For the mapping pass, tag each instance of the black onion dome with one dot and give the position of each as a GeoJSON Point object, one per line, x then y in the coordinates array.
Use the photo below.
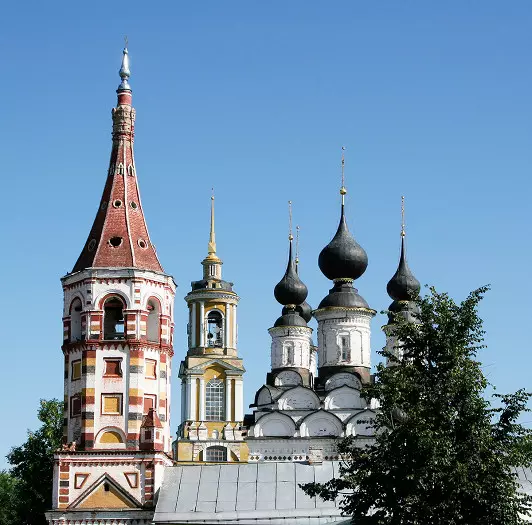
{"type": "Point", "coordinates": [290, 289]}
{"type": "Point", "coordinates": [343, 257]}
{"type": "Point", "coordinates": [403, 286]}
{"type": "Point", "coordinates": [303, 309]}
{"type": "Point", "coordinates": [343, 295]}
{"type": "Point", "coordinates": [290, 318]}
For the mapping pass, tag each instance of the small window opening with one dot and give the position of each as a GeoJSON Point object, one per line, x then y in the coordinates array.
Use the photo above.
{"type": "Point", "coordinates": [154, 321]}
{"type": "Point", "coordinates": [216, 454]}
{"type": "Point", "coordinates": [106, 487]}
{"type": "Point", "coordinates": [113, 320]}
{"type": "Point", "coordinates": [344, 346]}
{"type": "Point", "coordinates": [289, 354]}
{"type": "Point", "coordinates": [113, 367]}
{"type": "Point", "coordinates": [75, 321]}
{"type": "Point", "coordinates": [115, 242]}
{"type": "Point", "coordinates": [91, 245]}
{"type": "Point", "coordinates": [214, 400]}
{"type": "Point", "coordinates": [134, 205]}
{"type": "Point", "coordinates": [117, 203]}
{"type": "Point", "coordinates": [214, 329]}
{"type": "Point", "coordinates": [143, 244]}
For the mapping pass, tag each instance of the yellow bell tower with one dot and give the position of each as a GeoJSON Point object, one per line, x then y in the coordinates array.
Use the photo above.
{"type": "Point", "coordinates": [211, 374]}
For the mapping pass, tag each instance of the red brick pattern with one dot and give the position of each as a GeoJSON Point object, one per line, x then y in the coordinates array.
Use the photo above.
{"type": "Point", "coordinates": [119, 214]}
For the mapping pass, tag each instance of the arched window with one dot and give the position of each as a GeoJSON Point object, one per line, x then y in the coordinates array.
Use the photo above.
{"type": "Point", "coordinates": [289, 354]}
{"type": "Point", "coordinates": [344, 347]}
{"type": "Point", "coordinates": [113, 319]}
{"type": "Point", "coordinates": [214, 400]}
{"type": "Point", "coordinates": [154, 321]}
{"type": "Point", "coordinates": [75, 320]}
{"type": "Point", "coordinates": [215, 454]}
{"type": "Point", "coordinates": [214, 329]}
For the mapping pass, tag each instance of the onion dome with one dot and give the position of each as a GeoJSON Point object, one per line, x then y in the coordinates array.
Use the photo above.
{"type": "Point", "coordinates": [343, 295]}
{"type": "Point", "coordinates": [343, 257]}
{"type": "Point", "coordinates": [304, 310]}
{"type": "Point", "coordinates": [290, 317]}
{"type": "Point", "coordinates": [290, 290]}
{"type": "Point", "coordinates": [403, 286]}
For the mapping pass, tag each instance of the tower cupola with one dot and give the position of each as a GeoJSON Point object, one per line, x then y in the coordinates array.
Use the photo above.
{"type": "Point", "coordinates": [403, 288]}
{"type": "Point", "coordinates": [119, 235]}
{"type": "Point", "coordinates": [343, 315]}
{"type": "Point", "coordinates": [292, 346]}
{"type": "Point", "coordinates": [290, 291]}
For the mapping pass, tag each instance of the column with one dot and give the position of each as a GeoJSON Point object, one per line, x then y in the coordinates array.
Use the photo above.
{"type": "Point", "coordinates": [239, 401]}
{"type": "Point", "coordinates": [202, 399]}
{"type": "Point", "coordinates": [234, 326]}
{"type": "Point", "coordinates": [191, 387]}
{"type": "Point", "coordinates": [193, 325]}
{"type": "Point", "coordinates": [183, 401]}
{"type": "Point", "coordinates": [227, 328]}
{"type": "Point", "coordinates": [201, 323]}
{"type": "Point", "coordinates": [228, 414]}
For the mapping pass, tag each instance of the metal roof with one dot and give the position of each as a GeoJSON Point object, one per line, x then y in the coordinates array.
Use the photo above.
{"type": "Point", "coordinates": [260, 493]}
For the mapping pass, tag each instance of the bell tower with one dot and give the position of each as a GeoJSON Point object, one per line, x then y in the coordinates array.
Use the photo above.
{"type": "Point", "coordinates": [211, 374]}
{"type": "Point", "coordinates": [117, 347]}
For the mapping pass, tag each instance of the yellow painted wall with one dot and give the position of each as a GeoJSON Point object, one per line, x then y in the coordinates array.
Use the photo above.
{"type": "Point", "coordinates": [111, 499]}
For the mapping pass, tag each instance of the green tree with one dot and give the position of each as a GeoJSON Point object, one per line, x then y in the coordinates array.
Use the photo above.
{"type": "Point", "coordinates": [7, 498]}
{"type": "Point", "coordinates": [32, 466]}
{"type": "Point", "coordinates": [442, 455]}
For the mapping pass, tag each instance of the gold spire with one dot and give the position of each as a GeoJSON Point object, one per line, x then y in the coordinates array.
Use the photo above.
{"type": "Point", "coordinates": [297, 246]}
{"type": "Point", "coordinates": [290, 236]}
{"type": "Point", "coordinates": [212, 236]}
{"type": "Point", "coordinates": [403, 233]}
{"type": "Point", "coordinates": [343, 191]}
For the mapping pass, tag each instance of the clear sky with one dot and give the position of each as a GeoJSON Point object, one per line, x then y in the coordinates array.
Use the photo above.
{"type": "Point", "coordinates": [431, 99]}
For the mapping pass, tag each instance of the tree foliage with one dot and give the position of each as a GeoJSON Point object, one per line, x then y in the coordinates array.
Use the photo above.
{"type": "Point", "coordinates": [442, 455]}
{"type": "Point", "coordinates": [26, 490]}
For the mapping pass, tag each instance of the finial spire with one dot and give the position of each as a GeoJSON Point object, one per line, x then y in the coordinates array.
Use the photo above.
{"type": "Point", "coordinates": [124, 72]}
{"type": "Point", "coordinates": [343, 191]}
{"type": "Point", "coordinates": [297, 247]}
{"type": "Point", "coordinates": [290, 236]}
{"type": "Point", "coordinates": [403, 232]}
{"type": "Point", "coordinates": [212, 235]}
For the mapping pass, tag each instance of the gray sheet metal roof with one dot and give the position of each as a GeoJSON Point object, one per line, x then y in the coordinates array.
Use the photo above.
{"type": "Point", "coordinates": [253, 493]}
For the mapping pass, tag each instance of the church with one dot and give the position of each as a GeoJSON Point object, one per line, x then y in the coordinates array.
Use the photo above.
{"type": "Point", "coordinates": [119, 463]}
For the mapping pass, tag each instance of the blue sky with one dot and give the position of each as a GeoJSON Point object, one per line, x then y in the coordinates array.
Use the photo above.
{"type": "Point", "coordinates": [431, 99]}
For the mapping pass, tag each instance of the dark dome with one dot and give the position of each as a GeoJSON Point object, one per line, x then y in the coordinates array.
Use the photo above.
{"type": "Point", "coordinates": [343, 257]}
{"type": "Point", "coordinates": [343, 295]}
{"type": "Point", "coordinates": [408, 310]}
{"type": "Point", "coordinates": [291, 318]}
{"type": "Point", "coordinates": [303, 309]}
{"type": "Point", "coordinates": [290, 289]}
{"type": "Point", "coordinates": [403, 286]}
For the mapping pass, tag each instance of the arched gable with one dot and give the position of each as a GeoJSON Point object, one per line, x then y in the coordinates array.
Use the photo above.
{"type": "Point", "coordinates": [321, 423]}
{"type": "Point", "coordinates": [360, 424]}
{"type": "Point", "coordinates": [274, 424]}
{"type": "Point", "coordinates": [110, 437]}
{"type": "Point", "coordinates": [299, 398]}
{"type": "Point", "coordinates": [263, 396]}
{"type": "Point", "coordinates": [341, 379]}
{"type": "Point", "coordinates": [344, 397]}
